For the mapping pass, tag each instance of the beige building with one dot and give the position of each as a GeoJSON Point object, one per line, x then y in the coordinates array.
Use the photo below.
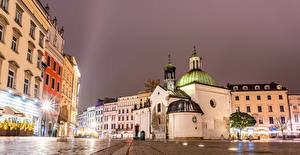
{"type": "Point", "coordinates": [267, 103]}
{"type": "Point", "coordinates": [294, 102]}
{"type": "Point", "coordinates": [23, 27]}
{"type": "Point", "coordinates": [125, 108]}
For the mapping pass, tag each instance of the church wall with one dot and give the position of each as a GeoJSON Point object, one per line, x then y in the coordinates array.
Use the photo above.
{"type": "Point", "coordinates": [181, 125]}
{"type": "Point", "coordinates": [142, 118]}
{"type": "Point", "coordinates": [215, 120]}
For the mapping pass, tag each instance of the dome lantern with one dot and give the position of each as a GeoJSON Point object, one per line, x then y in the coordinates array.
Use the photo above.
{"type": "Point", "coordinates": [169, 75]}
{"type": "Point", "coordinates": [195, 61]}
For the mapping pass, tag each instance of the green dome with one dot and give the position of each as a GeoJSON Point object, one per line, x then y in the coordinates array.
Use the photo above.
{"type": "Point", "coordinates": [195, 55]}
{"type": "Point", "coordinates": [196, 76]}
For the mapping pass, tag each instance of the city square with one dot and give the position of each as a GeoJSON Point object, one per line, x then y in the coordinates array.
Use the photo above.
{"type": "Point", "coordinates": [149, 77]}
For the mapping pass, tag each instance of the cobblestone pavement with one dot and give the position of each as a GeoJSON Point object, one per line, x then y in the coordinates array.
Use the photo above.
{"type": "Point", "coordinates": [45, 145]}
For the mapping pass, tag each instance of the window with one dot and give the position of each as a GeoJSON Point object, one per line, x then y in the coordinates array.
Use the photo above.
{"type": "Point", "coordinates": [159, 107]}
{"type": "Point", "coordinates": [295, 107]}
{"type": "Point", "coordinates": [131, 126]}
{"type": "Point", "coordinates": [59, 70]}
{"type": "Point", "coordinates": [131, 117]}
{"type": "Point", "coordinates": [245, 87]}
{"type": "Point", "coordinates": [127, 118]}
{"type": "Point", "coordinates": [58, 87]}
{"type": "Point", "coordinates": [271, 121]}
{"type": "Point", "coordinates": [14, 43]}
{"type": "Point", "coordinates": [280, 97]}
{"type": "Point", "coordinates": [122, 111]}
{"type": "Point", "coordinates": [282, 120]}
{"type": "Point", "coordinates": [259, 109]}
{"type": "Point", "coordinates": [32, 30]}
{"type": "Point", "coordinates": [26, 86]}
{"type": "Point", "coordinates": [270, 109]}
{"type": "Point", "coordinates": [54, 66]}
{"type": "Point", "coordinates": [269, 97]}
{"type": "Point", "coordinates": [237, 98]}
{"type": "Point", "coordinates": [4, 5]}
{"type": "Point", "coordinates": [258, 97]}
{"type": "Point", "coordinates": [248, 109]}
{"type": "Point", "coordinates": [237, 109]}
{"type": "Point", "coordinates": [18, 18]}
{"type": "Point", "coordinates": [38, 62]}
{"type": "Point", "coordinates": [1, 32]}
{"type": "Point", "coordinates": [257, 87]}
{"type": "Point", "coordinates": [235, 88]}
{"type": "Point", "coordinates": [122, 118]}
{"type": "Point", "coordinates": [41, 39]}
{"type": "Point", "coordinates": [281, 108]}
{"type": "Point", "coordinates": [36, 90]}
{"type": "Point", "coordinates": [47, 79]}
{"type": "Point", "coordinates": [119, 111]}
{"type": "Point", "coordinates": [296, 118]}
{"type": "Point", "coordinates": [260, 120]}
{"type": "Point", "coordinates": [48, 61]}
{"type": "Point", "coordinates": [11, 77]}
{"type": "Point", "coordinates": [247, 97]}
{"type": "Point", "coordinates": [267, 87]}
{"type": "Point", "coordinates": [212, 103]}
{"type": "Point", "coordinates": [53, 83]}
{"type": "Point", "coordinates": [119, 118]}
{"type": "Point", "coordinates": [29, 55]}
{"type": "Point", "coordinates": [127, 111]}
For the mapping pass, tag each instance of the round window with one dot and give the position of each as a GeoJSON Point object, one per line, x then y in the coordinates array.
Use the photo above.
{"type": "Point", "coordinates": [212, 103]}
{"type": "Point", "coordinates": [194, 119]}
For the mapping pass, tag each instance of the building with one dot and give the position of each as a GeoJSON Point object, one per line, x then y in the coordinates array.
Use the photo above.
{"type": "Point", "coordinates": [54, 61]}
{"type": "Point", "coordinates": [99, 117]}
{"type": "Point", "coordinates": [193, 107]}
{"type": "Point", "coordinates": [23, 27]}
{"type": "Point", "coordinates": [294, 103]}
{"type": "Point", "coordinates": [87, 118]}
{"type": "Point", "coordinates": [75, 97]}
{"type": "Point", "coordinates": [109, 118]}
{"type": "Point", "coordinates": [66, 97]}
{"type": "Point", "coordinates": [267, 103]}
{"type": "Point", "coordinates": [125, 114]}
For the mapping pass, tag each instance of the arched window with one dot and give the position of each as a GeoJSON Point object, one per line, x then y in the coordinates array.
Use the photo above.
{"type": "Point", "coordinates": [193, 64]}
{"type": "Point", "coordinates": [197, 64]}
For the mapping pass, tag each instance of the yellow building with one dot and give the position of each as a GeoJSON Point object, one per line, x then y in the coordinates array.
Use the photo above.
{"type": "Point", "coordinates": [267, 103]}
{"type": "Point", "coordinates": [23, 29]}
{"type": "Point", "coordinates": [69, 96]}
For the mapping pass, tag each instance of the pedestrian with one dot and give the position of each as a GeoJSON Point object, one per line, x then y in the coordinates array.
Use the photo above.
{"type": "Point", "coordinates": [136, 130]}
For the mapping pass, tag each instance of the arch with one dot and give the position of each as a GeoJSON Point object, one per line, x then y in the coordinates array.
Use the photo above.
{"type": "Point", "coordinates": [31, 44]}
{"type": "Point", "coordinates": [14, 63]}
{"type": "Point", "coordinates": [17, 31]}
{"type": "Point", "coordinates": [29, 72]}
{"type": "Point", "coordinates": [40, 52]}
{"type": "Point", "coordinates": [38, 78]}
{"type": "Point", "coordinates": [3, 20]}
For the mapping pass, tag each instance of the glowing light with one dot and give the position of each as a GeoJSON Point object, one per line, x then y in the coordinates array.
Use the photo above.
{"type": "Point", "coordinates": [185, 144]}
{"type": "Point", "coordinates": [23, 97]}
{"type": "Point", "coordinates": [232, 149]}
{"type": "Point", "coordinates": [10, 91]}
{"type": "Point", "coordinates": [201, 145]}
{"type": "Point", "coordinates": [35, 100]}
{"type": "Point", "coordinates": [46, 105]}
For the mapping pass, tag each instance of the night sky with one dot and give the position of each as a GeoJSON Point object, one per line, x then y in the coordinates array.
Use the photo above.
{"type": "Point", "coordinates": [119, 44]}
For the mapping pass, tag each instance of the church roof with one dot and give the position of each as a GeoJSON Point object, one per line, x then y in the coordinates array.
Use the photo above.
{"type": "Point", "coordinates": [179, 94]}
{"type": "Point", "coordinates": [196, 75]}
{"type": "Point", "coordinates": [184, 106]}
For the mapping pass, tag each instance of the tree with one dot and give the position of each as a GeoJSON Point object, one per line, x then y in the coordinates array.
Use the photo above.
{"type": "Point", "coordinates": [150, 85]}
{"type": "Point", "coordinates": [281, 125]}
{"type": "Point", "coordinates": [241, 120]}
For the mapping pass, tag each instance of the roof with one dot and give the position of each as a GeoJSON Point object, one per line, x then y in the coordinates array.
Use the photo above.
{"type": "Point", "coordinates": [196, 75]}
{"type": "Point", "coordinates": [256, 87]}
{"type": "Point", "coordinates": [179, 94]}
{"type": "Point", "coordinates": [184, 106]}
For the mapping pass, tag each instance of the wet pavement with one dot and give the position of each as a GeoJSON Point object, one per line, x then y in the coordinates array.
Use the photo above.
{"type": "Point", "coordinates": [46, 145]}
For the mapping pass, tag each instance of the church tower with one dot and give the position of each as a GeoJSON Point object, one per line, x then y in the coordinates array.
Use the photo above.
{"type": "Point", "coordinates": [169, 75]}
{"type": "Point", "coordinates": [195, 61]}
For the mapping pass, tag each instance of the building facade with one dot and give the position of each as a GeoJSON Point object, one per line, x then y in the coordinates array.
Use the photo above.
{"type": "Point", "coordinates": [23, 27]}
{"type": "Point", "coordinates": [125, 115]}
{"type": "Point", "coordinates": [99, 117]}
{"type": "Point", "coordinates": [109, 119]}
{"type": "Point", "coordinates": [267, 103]}
{"type": "Point", "coordinates": [294, 103]}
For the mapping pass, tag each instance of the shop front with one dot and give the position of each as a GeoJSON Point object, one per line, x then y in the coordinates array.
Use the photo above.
{"type": "Point", "coordinates": [19, 115]}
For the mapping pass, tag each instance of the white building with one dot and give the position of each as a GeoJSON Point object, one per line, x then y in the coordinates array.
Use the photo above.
{"type": "Point", "coordinates": [109, 119]}
{"type": "Point", "coordinates": [99, 117]}
{"type": "Point", "coordinates": [87, 119]}
{"type": "Point", "coordinates": [194, 108]}
{"type": "Point", "coordinates": [294, 103]}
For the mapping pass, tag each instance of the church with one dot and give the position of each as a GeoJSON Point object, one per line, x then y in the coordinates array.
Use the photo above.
{"type": "Point", "coordinates": [193, 107]}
